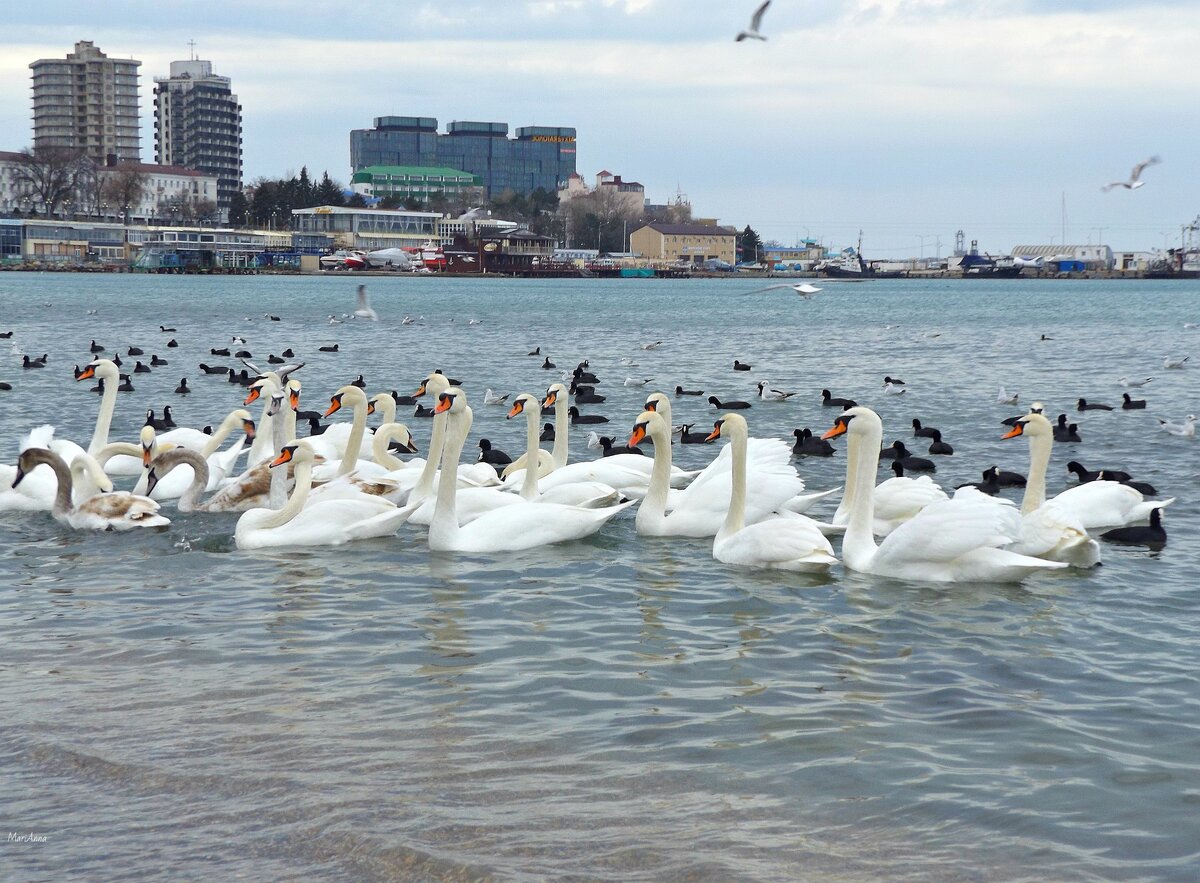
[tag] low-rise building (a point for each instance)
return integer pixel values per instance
(417, 182)
(1093, 257)
(368, 228)
(685, 243)
(627, 197)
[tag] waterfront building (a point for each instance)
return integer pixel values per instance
(198, 125)
(87, 102)
(627, 197)
(1091, 257)
(166, 191)
(417, 182)
(538, 157)
(684, 243)
(367, 228)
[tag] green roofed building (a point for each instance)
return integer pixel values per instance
(419, 182)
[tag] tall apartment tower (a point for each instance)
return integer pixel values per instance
(198, 125)
(87, 102)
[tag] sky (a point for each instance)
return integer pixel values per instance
(906, 119)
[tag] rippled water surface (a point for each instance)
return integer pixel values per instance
(619, 708)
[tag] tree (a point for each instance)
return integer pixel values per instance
(356, 200)
(124, 189)
(48, 175)
(749, 245)
(328, 192)
(239, 209)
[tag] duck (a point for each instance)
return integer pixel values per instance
(808, 446)
(922, 431)
(1142, 487)
(767, 394)
(780, 542)
(1085, 475)
(172, 343)
(1063, 431)
(536, 351)
(273, 359)
(728, 406)
(136, 351)
(214, 369)
(687, 437)
(153, 422)
(422, 411)
(139, 368)
(27, 362)
(117, 510)
(938, 446)
(511, 528)
(582, 375)
(359, 381)
(950, 540)
(586, 395)
(328, 348)
(577, 418)
(126, 384)
(829, 401)
(331, 521)
(680, 391)
(894, 381)
(165, 329)
(183, 389)
(1093, 504)
(1004, 478)
(548, 365)
(1085, 405)
(96, 348)
(1186, 429)
(1131, 404)
(547, 432)
(1153, 535)
(495, 456)
(222, 351)
(739, 366)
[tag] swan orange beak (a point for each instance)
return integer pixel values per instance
(248, 428)
(420, 389)
(370, 408)
(1018, 429)
(716, 433)
(517, 408)
(651, 406)
(550, 400)
(638, 435)
(285, 456)
(147, 456)
(837, 429)
(87, 373)
(335, 404)
(252, 396)
(294, 400)
(444, 404)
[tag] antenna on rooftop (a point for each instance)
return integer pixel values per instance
(192, 49)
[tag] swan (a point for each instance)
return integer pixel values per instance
(511, 528)
(107, 371)
(326, 522)
(948, 541)
(352, 458)
(108, 511)
(1047, 531)
(786, 542)
(592, 494)
(1094, 504)
(262, 448)
(699, 509)
(220, 463)
(39, 488)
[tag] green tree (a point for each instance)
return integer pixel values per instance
(749, 245)
(239, 209)
(328, 192)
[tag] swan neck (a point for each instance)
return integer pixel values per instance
(655, 502)
(858, 545)
(437, 444)
(357, 428)
(277, 490)
(561, 431)
(219, 435)
(295, 502)
(191, 497)
(108, 404)
(443, 527)
(379, 446)
(264, 438)
(529, 485)
(735, 518)
(113, 449)
(1035, 484)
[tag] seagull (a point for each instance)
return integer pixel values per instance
(1005, 399)
(593, 439)
(407, 320)
(1133, 183)
(1125, 381)
(755, 23)
(1190, 325)
(334, 320)
(362, 309)
(490, 398)
(474, 322)
(628, 362)
(1186, 429)
(772, 395)
(633, 381)
(891, 389)
(651, 345)
(804, 289)
(1168, 362)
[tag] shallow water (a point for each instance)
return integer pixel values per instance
(618, 708)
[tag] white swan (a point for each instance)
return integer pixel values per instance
(106, 370)
(699, 509)
(512, 528)
(109, 511)
(786, 542)
(896, 500)
(591, 494)
(327, 522)
(220, 463)
(262, 448)
(352, 456)
(39, 488)
(1094, 504)
(948, 541)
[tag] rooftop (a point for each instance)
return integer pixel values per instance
(690, 230)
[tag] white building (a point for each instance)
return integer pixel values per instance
(1094, 257)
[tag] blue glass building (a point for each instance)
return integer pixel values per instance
(538, 156)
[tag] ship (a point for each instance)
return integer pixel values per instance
(851, 265)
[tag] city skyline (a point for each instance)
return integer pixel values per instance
(908, 119)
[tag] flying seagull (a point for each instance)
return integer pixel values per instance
(363, 309)
(755, 22)
(804, 289)
(1133, 183)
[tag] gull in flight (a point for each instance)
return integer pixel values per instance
(755, 23)
(1134, 181)
(804, 289)
(363, 308)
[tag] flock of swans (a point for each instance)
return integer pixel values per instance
(347, 484)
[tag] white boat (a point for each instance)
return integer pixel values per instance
(389, 258)
(342, 259)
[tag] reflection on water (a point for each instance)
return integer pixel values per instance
(621, 707)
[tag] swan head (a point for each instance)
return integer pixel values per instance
(452, 400)
(295, 451)
(105, 369)
(347, 395)
(377, 401)
(1033, 424)
(435, 383)
(728, 426)
(523, 401)
(146, 439)
(857, 422)
(276, 404)
(553, 391)
(293, 394)
(648, 423)
(657, 401)
(30, 459)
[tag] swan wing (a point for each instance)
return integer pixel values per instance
(530, 525)
(1106, 504)
(1056, 535)
(784, 543)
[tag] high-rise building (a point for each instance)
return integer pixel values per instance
(198, 125)
(538, 157)
(87, 102)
